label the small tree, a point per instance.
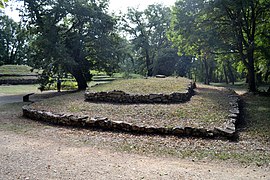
(74, 35)
(147, 30)
(13, 42)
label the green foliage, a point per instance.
(146, 86)
(147, 30)
(65, 85)
(17, 70)
(2, 3)
(71, 37)
(169, 63)
(13, 42)
(18, 89)
(210, 29)
(257, 113)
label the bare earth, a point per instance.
(32, 150)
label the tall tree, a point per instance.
(69, 35)
(13, 42)
(243, 18)
(190, 32)
(147, 30)
(233, 25)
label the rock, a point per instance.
(178, 131)
(126, 126)
(230, 128)
(100, 118)
(162, 130)
(235, 111)
(234, 116)
(188, 130)
(153, 96)
(224, 132)
(90, 122)
(136, 128)
(150, 130)
(160, 76)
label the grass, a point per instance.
(256, 110)
(18, 89)
(127, 75)
(17, 70)
(7, 113)
(239, 87)
(257, 114)
(18, 77)
(145, 86)
(253, 147)
(209, 108)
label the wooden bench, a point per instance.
(26, 97)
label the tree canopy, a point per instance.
(218, 27)
(147, 31)
(208, 40)
(70, 36)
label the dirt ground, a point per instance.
(32, 150)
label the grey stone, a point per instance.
(224, 132)
(235, 111)
(160, 76)
(188, 130)
(178, 131)
(232, 115)
(150, 130)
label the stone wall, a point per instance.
(228, 131)
(122, 97)
(230, 126)
(18, 81)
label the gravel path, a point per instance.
(26, 157)
(5, 99)
(30, 150)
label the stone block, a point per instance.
(178, 131)
(160, 76)
(188, 131)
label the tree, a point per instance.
(147, 30)
(168, 62)
(13, 42)
(191, 34)
(221, 27)
(2, 3)
(70, 36)
(244, 18)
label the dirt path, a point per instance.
(26, 157)
(5, 99)
(30, 150)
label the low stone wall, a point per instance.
(18, 81)
(229, 128)
(228, 131)
(122, 97)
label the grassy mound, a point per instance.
(209, 108)
(145, 86)
(16, 70)
(206, 108)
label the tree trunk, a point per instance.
(148, 64)
(231, 75)
(81, 79)
(251, 79)
(267, 74)
(251, 71)
(225, 74)
(206, 74)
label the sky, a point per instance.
(115, 6)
